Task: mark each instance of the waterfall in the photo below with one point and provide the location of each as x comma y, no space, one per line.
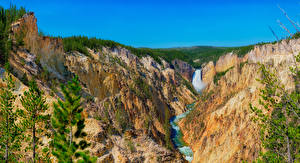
176,134
197,80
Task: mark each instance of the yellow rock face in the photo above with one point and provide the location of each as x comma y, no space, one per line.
220,128
113,80
226,61
208,72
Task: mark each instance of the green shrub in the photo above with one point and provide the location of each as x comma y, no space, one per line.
7,17
141,88
189,86
296,35
194,114
167,128
147,122
203,54
218,76
241,51
122,119
242,64
206,95
81,43
131,146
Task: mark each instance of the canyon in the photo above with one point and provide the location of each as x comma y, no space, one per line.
220,128
128,100
140,110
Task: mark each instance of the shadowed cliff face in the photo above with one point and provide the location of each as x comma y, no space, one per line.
184,69
142,87
126,98
220,128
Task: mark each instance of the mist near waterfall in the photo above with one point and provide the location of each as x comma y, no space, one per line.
197,80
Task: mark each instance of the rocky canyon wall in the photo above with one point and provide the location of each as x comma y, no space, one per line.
220,128
126,99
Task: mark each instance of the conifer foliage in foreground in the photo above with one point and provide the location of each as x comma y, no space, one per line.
278,117
68,141
7,16
35,106
11,133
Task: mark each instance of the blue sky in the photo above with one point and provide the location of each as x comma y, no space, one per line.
164,23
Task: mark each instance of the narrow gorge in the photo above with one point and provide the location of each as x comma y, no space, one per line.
220,128
150,105
176,132
177,135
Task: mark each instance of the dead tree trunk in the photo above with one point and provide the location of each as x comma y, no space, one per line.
283,26
285,14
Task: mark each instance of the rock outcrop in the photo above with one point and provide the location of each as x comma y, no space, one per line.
220,128
48,51
226,61
128,100
184,69
121,91
208,72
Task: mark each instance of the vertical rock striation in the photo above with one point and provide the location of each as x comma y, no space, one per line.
220,128
124,94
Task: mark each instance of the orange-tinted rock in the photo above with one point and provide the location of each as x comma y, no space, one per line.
220,128
208,72
184,69
226,61
49,51
27,26
114,81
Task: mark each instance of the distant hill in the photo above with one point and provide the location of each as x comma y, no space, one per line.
197,55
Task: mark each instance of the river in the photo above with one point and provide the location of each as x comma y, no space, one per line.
176,134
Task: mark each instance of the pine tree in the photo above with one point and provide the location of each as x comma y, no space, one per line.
278,117
4,46
69,145
35,106
11,132
7,17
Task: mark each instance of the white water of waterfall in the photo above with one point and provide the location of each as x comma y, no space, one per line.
176,134
197,80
